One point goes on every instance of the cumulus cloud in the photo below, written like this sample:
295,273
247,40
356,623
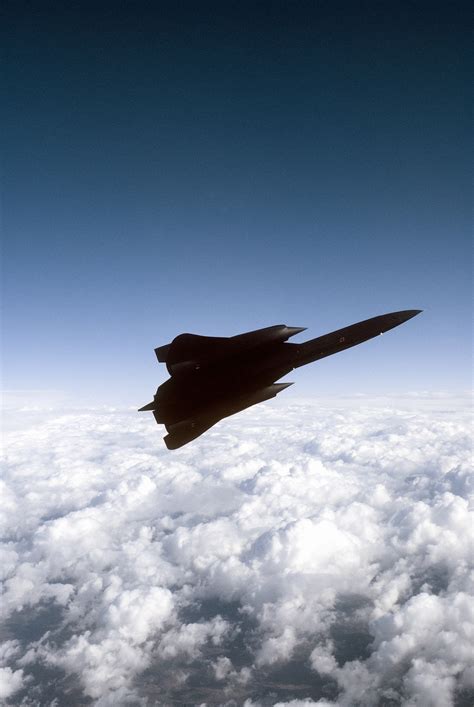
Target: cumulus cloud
296,554
10,680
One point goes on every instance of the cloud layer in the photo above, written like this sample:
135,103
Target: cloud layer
293,554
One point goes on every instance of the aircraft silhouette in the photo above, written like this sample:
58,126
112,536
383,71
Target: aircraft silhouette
214,377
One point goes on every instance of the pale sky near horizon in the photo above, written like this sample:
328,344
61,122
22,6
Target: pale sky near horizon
224,167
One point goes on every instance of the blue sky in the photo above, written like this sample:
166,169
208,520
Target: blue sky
215,168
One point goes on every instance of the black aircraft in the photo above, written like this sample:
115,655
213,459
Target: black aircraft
214,377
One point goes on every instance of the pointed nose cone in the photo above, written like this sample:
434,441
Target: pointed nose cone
407,314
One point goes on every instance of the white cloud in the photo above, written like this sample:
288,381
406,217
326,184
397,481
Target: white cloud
326,545
10,680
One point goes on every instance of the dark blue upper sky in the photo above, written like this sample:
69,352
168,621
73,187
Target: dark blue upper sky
215,168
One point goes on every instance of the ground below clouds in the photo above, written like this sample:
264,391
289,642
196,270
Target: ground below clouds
293,554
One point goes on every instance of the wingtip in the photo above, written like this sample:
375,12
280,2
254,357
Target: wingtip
148,407
281,386
293,330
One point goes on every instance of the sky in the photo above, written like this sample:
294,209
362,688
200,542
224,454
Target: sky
219,167
215,168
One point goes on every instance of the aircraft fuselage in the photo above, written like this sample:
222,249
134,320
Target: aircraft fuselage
214,377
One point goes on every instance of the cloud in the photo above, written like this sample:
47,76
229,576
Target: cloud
296,554
10,680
